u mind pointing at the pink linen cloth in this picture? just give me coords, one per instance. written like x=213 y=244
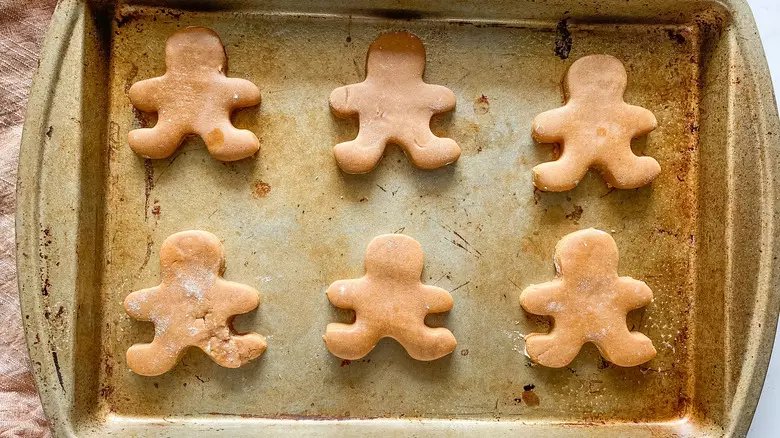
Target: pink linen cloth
x=22 y=28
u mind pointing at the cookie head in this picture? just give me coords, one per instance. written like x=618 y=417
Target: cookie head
x=599 y=75
x=397 y=255
x=189 y=251
x=195 y=47
x=396 y=54
x=593 y=248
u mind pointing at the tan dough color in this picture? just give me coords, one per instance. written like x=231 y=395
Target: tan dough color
x=588 y=302
x=390 y=301
x=194 y=97
x=594 y=129
x=194 y=306
x=394 y=105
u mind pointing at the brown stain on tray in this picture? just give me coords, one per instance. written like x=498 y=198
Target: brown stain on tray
x=261 y=189
x=529 y=396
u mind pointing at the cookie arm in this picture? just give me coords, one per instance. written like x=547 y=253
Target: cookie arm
x=547 y=126
x=139 y=304
x=342 y=101
x=542 y=299
x=442 y=99
x=341 y=292
x=242 y=93
x=633 y=294
x=144 y=94
x=437 y=300
x=238 y=298
x=641 y=119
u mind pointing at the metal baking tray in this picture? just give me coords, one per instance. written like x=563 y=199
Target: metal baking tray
x=92 y=215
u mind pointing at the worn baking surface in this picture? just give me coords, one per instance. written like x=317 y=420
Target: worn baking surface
x=292 y=223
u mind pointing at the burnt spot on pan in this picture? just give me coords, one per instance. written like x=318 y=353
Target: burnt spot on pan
x=576 y=214
x=675 y=36
x=148 y=185
x=482 y=105
x=563 y=40
x=156 y=209
x=397 y=14
x=530 y=397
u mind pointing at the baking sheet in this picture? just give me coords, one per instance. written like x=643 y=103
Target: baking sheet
x=292 y=223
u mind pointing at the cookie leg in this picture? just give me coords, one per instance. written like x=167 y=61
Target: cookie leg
x=158 y=142
x=626 y=349
x=236 y=350
x=349 y=341
x=560 y=175
x=250 y=346
x=227 y=143
x=428 y=151
x=551 y=350
x=627 y=171
x=426 y=343
x=153 y=359
x=362 y=154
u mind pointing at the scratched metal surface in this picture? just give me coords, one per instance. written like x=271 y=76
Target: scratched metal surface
x=484 y=231
x=292 y=223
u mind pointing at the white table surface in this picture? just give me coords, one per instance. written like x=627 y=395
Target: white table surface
x=766 y=422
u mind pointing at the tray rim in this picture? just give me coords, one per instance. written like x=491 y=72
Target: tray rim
x=750 y=384
x=64 y=20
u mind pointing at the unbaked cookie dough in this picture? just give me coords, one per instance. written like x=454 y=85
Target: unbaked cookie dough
x=594 y=129
x=193 y=306
x=394 y=105
x=588 y=302
x=194 y=97
x=390 y=301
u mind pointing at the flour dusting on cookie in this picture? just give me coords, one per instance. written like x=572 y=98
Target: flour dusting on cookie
x=193 y=306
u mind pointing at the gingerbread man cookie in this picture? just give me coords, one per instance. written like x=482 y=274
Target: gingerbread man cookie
x=394 y=105
x=194 y=97
x=594 y=129
x=588 y=303
x=390 y=301
x=194 y=306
